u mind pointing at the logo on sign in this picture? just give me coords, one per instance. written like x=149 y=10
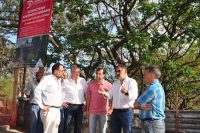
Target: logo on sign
x=29 y=3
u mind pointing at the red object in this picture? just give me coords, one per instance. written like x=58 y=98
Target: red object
x=36 y=18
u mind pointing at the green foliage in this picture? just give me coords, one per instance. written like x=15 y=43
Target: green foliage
x=6 y=88
x=138 y=34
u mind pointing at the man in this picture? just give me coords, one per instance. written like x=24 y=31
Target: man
x=97 y=106
x=152 y=102
x=124 y=92
x=61 y=126
x=49 y=97
x=74 y=90
x=35 y=120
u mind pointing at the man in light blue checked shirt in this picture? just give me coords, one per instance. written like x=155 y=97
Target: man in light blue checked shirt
x=152 y=102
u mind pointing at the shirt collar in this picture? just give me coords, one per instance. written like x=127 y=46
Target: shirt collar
x=55 y=77
x=126 y=79
x=155 y=81
x=100 y=82
x=74 y=80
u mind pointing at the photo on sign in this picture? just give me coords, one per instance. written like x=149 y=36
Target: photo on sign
x=29 y=50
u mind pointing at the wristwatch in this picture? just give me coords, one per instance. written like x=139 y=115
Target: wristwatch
x=126 y=93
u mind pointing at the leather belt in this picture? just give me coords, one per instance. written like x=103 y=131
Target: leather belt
x=33 y=104
x=53 y=106
x=75 y=105
x=123 y=110
x=149 y=119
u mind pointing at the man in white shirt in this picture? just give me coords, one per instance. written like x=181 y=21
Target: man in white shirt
x=34 y=112
x=49 y=97
x=123 y=94
x=74 y=91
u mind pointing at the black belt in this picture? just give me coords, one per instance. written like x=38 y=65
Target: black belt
x=123 y=110
x=33 y=104
x=75 y=105
x=53 y=106
x=149 y=119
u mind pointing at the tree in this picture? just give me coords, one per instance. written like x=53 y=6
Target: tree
x=136 y=33
x=9 y=14
x=7 y=57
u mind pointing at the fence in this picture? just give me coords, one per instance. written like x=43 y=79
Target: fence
x=188 y=122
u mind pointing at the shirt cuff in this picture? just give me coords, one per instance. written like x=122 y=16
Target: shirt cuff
x=106 y=96
x=130 y=96
x=41 y=106
x=140 y=103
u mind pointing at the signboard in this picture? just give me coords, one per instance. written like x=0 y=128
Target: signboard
x=33 y=31
x=36 y=18
x=30 y=50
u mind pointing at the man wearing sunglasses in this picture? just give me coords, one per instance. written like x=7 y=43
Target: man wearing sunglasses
x=123 y=94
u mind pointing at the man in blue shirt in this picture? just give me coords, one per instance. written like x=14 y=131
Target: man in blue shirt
x=152 y=102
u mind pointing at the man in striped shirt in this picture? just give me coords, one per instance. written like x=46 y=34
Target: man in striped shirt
x=152 y=102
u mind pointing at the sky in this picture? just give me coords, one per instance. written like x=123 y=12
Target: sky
x=12 y=38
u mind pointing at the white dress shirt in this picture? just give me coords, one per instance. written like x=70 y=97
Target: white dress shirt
x=48 y=92
x=74 y=93
x=30 y=90
x=120 y=100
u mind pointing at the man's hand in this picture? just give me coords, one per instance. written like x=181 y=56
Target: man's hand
x=102 y=92
x=87 y=114
x=136 y=105
x=65 y=105
x=84 y=107
x=46 y=108
x=110 y=110
x=124 y=91
x=146 y=107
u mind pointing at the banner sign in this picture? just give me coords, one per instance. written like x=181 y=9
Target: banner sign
x=36 y=18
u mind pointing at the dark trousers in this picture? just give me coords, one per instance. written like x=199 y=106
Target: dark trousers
x=122 y=120
x=35 y=120
x=73 y=117
x=62 y=118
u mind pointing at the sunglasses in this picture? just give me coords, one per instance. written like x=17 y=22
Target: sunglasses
x=118 y=71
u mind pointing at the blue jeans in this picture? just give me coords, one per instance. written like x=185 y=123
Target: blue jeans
x=153 y=126
x=35 y=120
x=62 y=118
x=122 y=120
x=73 y=116
x=102 y=121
